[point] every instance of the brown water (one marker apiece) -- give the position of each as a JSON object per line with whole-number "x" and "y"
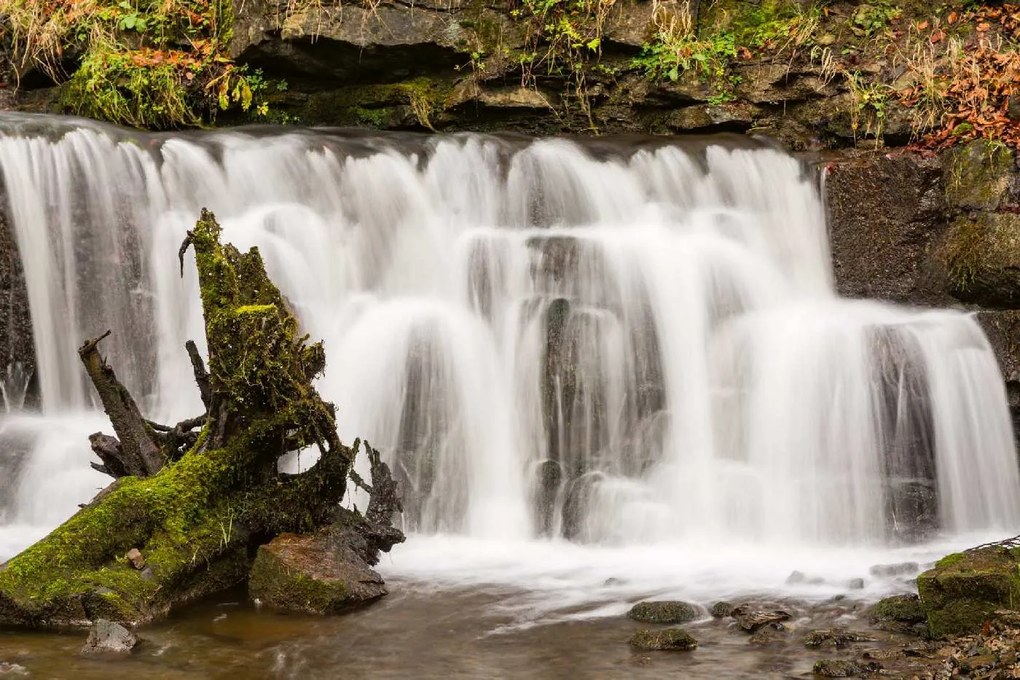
{"x": 421, "y": 632}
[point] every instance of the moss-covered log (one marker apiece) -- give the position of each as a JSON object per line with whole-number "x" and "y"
{"x": 198, "y": 521}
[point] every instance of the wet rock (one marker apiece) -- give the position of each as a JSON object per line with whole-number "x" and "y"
{"x": 840, "y": 637}
{"x": 774, "y": 632}
{"x": 899, "y": 608}
{"x": 107, "y": 637}
{"x": 891, "y": 570}
{"x": 978, "y": 175}
{"x": 965, "y": 590}
{"x": 664, "y": 611}
{"x": 796, "y": 577}
{"x": 845, "y": 668}
{"x": 750, "y": 619}
{"x": 17, "y": 349}
{"x": 312, "y": 573}
{"x": 670, "y": 639}
{"x": 982, "y": 259}
{"x": 721, "y": 610}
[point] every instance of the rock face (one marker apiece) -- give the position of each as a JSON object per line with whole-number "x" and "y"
{"x": 315, "y": 573}
{"x": 665, "y": 611}
{"x": 107, "y": 637}
{"x": 933, "y": 230}
{"x": 964, "y": 590}
{"x": 17, "y": 351}
{"x": 668, "y": 640}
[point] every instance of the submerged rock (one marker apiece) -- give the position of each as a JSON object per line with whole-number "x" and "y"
{"x": 964, "y": 590}
{"x": 845, "y": 668}
{"x": 107, "y": 637}
{"x": 664, "y": 611}
{"x": 721, "y": 609}
{"x": 312, "y": 573}
{"x": 765, "y": 635}
{"x": 840, "y": 637}
{"x": 670, "y": 639}
{"x": 750, "y": 619}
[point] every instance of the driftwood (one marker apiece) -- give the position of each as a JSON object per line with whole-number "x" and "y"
{"x": 194, "y": 501}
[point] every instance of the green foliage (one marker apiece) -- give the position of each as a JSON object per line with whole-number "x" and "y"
{"x": 869, "y": 103}
{"x": 874, "y": 18}
{"x": 147, "y": 63}
{"x": 679, "y": 47}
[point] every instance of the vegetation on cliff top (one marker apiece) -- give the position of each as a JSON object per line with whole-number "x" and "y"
{"x": 905, "y": 71}
{"x": 146, "y": 63}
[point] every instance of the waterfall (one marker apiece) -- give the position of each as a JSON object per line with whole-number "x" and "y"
{"x": 614, "y": 342}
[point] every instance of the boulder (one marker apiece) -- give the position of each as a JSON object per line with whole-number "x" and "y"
{"x": 898, "y": 608}
{"x": 774, "y": 632}
{"x": 312, "y": 573}
{"x": 964, "y": 590}
{"x": 665, "y": 611}
{"x": 670, "y": 639}
{"x": 107, "y": 637}
{"x": 721, "y": 609}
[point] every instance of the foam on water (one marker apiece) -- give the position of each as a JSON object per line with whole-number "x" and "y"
{"x": 613, "y": 360}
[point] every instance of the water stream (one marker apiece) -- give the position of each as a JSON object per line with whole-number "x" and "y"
{"x": 599, "y": 361}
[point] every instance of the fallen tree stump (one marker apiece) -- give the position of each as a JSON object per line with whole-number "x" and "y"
{"x": 193, "y": 507}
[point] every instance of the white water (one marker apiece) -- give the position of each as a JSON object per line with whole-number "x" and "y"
{"x": 660, "y": 322}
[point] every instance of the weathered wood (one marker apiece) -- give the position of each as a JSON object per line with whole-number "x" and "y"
{"x": 198, "y": 521}
{"x": 138, "y": 450}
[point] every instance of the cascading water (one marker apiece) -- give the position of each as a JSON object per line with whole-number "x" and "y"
{"x": 618, "y": 343}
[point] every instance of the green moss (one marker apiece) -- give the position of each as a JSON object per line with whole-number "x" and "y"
{"x": 978, "y": 175}
{"x": 901, "y": 608}
{"x": 964, "y": 590}
{"x": 663, "y": 612}
{"x": 416, "y": 102}
{"x": 275, "y": 584}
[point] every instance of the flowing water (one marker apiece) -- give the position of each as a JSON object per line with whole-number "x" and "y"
{"x": 585, "y": 360}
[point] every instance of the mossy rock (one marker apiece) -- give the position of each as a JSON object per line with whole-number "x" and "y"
{"x": 963, "y": 590}
{"x": 310, "y": 573}
{"x": 670, "y": 640}
{"x": 665, "y": 611}
{"x": 899, "y": 608}
{"x": 978, "y": 175}
{"x": 981, "y": 253}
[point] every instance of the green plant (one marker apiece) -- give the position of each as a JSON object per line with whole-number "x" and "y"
{"x": 147, "y": 63}
{"x": 869, "y": 101}
{"x": 874, "y": 18}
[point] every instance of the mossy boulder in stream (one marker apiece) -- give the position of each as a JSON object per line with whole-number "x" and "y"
{"x": 664, "y": 611}
{"x": 311, "y": 573}
{"x": 964, "y": 590}
{"x": 668, "y": 640}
